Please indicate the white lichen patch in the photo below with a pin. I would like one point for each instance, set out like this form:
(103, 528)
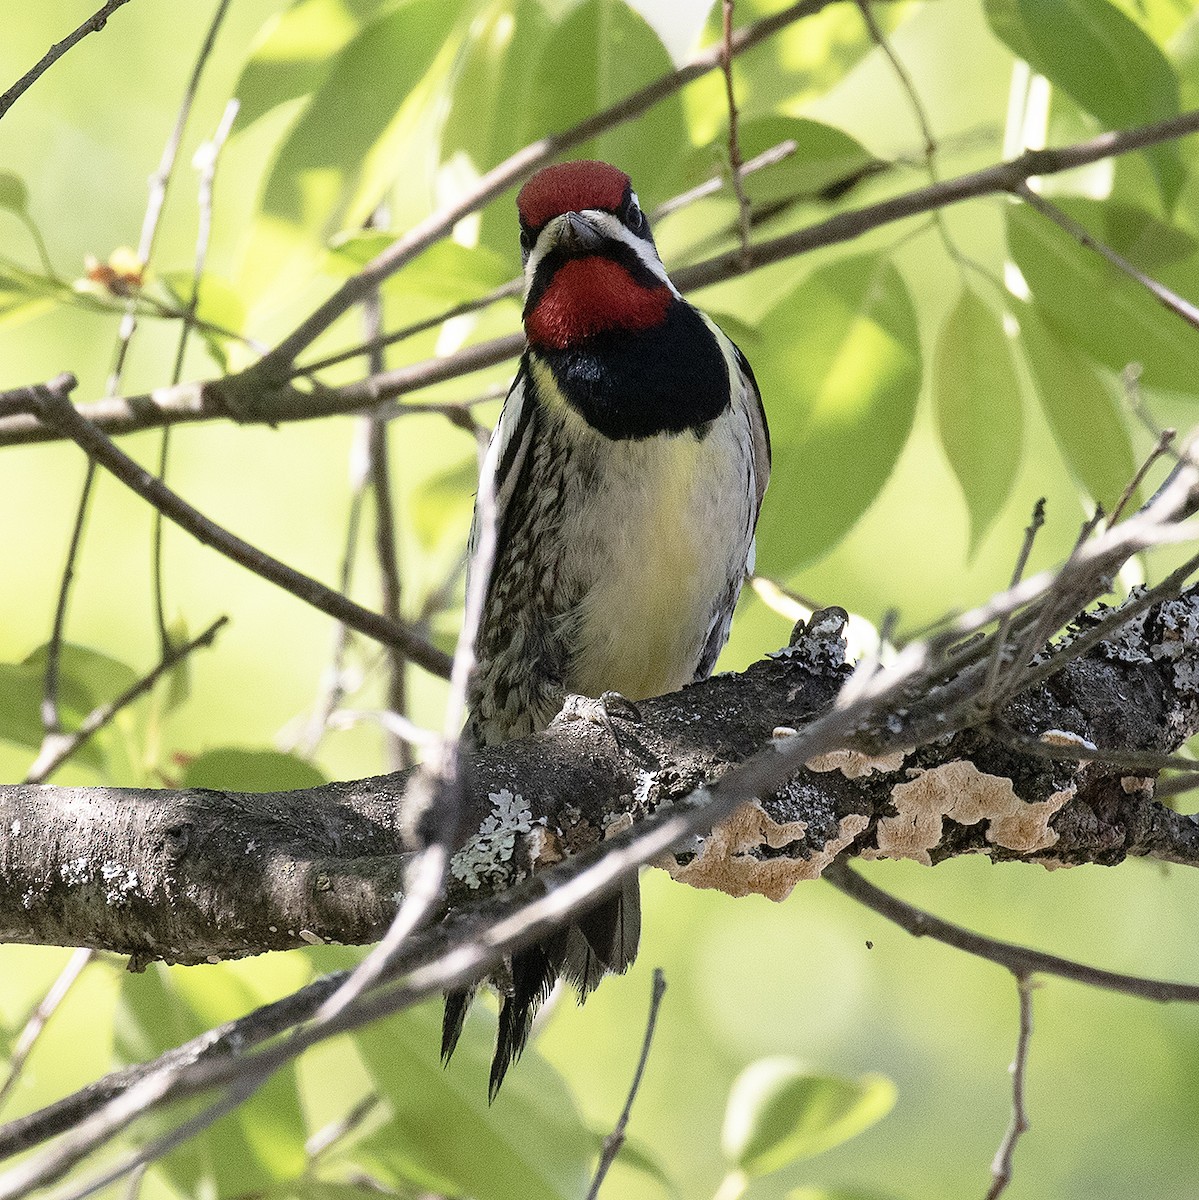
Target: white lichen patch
(853, 764)
(119, 882)
(727, 863)
(960, 791)
(1179, 624)
(485, 857)
(75, 871)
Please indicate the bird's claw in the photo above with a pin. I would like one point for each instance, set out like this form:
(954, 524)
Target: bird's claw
(599, 711)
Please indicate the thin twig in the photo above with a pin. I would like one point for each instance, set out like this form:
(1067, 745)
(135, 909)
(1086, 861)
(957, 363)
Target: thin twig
(1165, 440)
(735, 164)
(93, 24)
(1001, 1168)
(329, 1135)
(203, 401)
(442, 774)
(160, 182)
(464, 308)
(468, 943)
(499, 179)
(773, 154)
(1020, 960)
(51, 715)
(513, 287)
(615, 1140)
(53, 407)
(55, 752)
(334, 682)
(39, 1018)
(919, 111)
(206, 159)
(1030, 535)
(1167, 298)
(1066, 749)
(387, 550)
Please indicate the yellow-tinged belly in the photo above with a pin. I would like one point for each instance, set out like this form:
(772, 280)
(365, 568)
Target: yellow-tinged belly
(653, 541)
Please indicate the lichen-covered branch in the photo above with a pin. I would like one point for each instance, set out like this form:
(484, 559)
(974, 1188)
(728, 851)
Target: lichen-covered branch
(193, 875)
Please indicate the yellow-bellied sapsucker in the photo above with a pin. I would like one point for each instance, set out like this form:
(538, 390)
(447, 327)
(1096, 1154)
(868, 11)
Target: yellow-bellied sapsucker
(631, 458)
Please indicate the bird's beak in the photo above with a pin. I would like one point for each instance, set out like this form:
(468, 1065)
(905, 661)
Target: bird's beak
(574, 233)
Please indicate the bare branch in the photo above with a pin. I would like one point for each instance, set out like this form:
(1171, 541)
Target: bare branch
(736, 167)
(275, 404)
(1001, 1168)
(1169, 300)
(499, 179)
(93, 24)
(52, 406)
(615, 1140)
(1022, 961)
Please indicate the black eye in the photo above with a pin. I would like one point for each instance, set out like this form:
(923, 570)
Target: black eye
(632, 215)
(526, 240)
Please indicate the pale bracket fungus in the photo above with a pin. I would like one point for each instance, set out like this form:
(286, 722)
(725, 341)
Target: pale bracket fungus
(853, 764)
(728, 862)
(961, 792)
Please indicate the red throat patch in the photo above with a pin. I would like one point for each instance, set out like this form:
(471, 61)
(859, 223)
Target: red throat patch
(570, 187)
(590, 295)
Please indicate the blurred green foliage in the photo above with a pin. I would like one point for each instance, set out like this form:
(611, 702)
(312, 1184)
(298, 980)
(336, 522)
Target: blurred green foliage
(925, 385)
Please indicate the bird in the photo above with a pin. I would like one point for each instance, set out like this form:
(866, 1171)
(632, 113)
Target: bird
(630, 460)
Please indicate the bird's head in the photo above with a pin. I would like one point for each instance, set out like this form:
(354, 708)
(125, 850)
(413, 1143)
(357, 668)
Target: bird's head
(590, 262)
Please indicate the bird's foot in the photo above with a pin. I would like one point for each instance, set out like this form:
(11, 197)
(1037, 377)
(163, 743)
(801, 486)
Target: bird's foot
(599, 711)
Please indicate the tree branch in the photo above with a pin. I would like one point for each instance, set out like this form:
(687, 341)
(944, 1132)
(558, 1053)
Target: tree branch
(192, 875)
(278, 402)
(93, 24)
(52, 406)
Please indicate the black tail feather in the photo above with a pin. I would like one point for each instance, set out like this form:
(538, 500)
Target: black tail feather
(456, 1004)
(534, 972)
(603, 940)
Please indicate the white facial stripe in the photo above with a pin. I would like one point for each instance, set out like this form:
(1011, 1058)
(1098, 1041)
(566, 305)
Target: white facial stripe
(611, 227)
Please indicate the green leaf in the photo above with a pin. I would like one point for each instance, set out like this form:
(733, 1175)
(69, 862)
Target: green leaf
(824, 159)
(294, 51)
(494, 81)
(444, 502)
(1082, 411)
(316, 169)
(13, 194)
(250, 771)
(1099, 308)
(599, 54)
(839, 368)
(979, 411)
(1103, 61)
(246, 1151)
(778, 1113)
(21, 687)
(87, 679)
(531, 1144)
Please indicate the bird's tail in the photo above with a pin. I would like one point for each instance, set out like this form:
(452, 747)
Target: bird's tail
(603, 940)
